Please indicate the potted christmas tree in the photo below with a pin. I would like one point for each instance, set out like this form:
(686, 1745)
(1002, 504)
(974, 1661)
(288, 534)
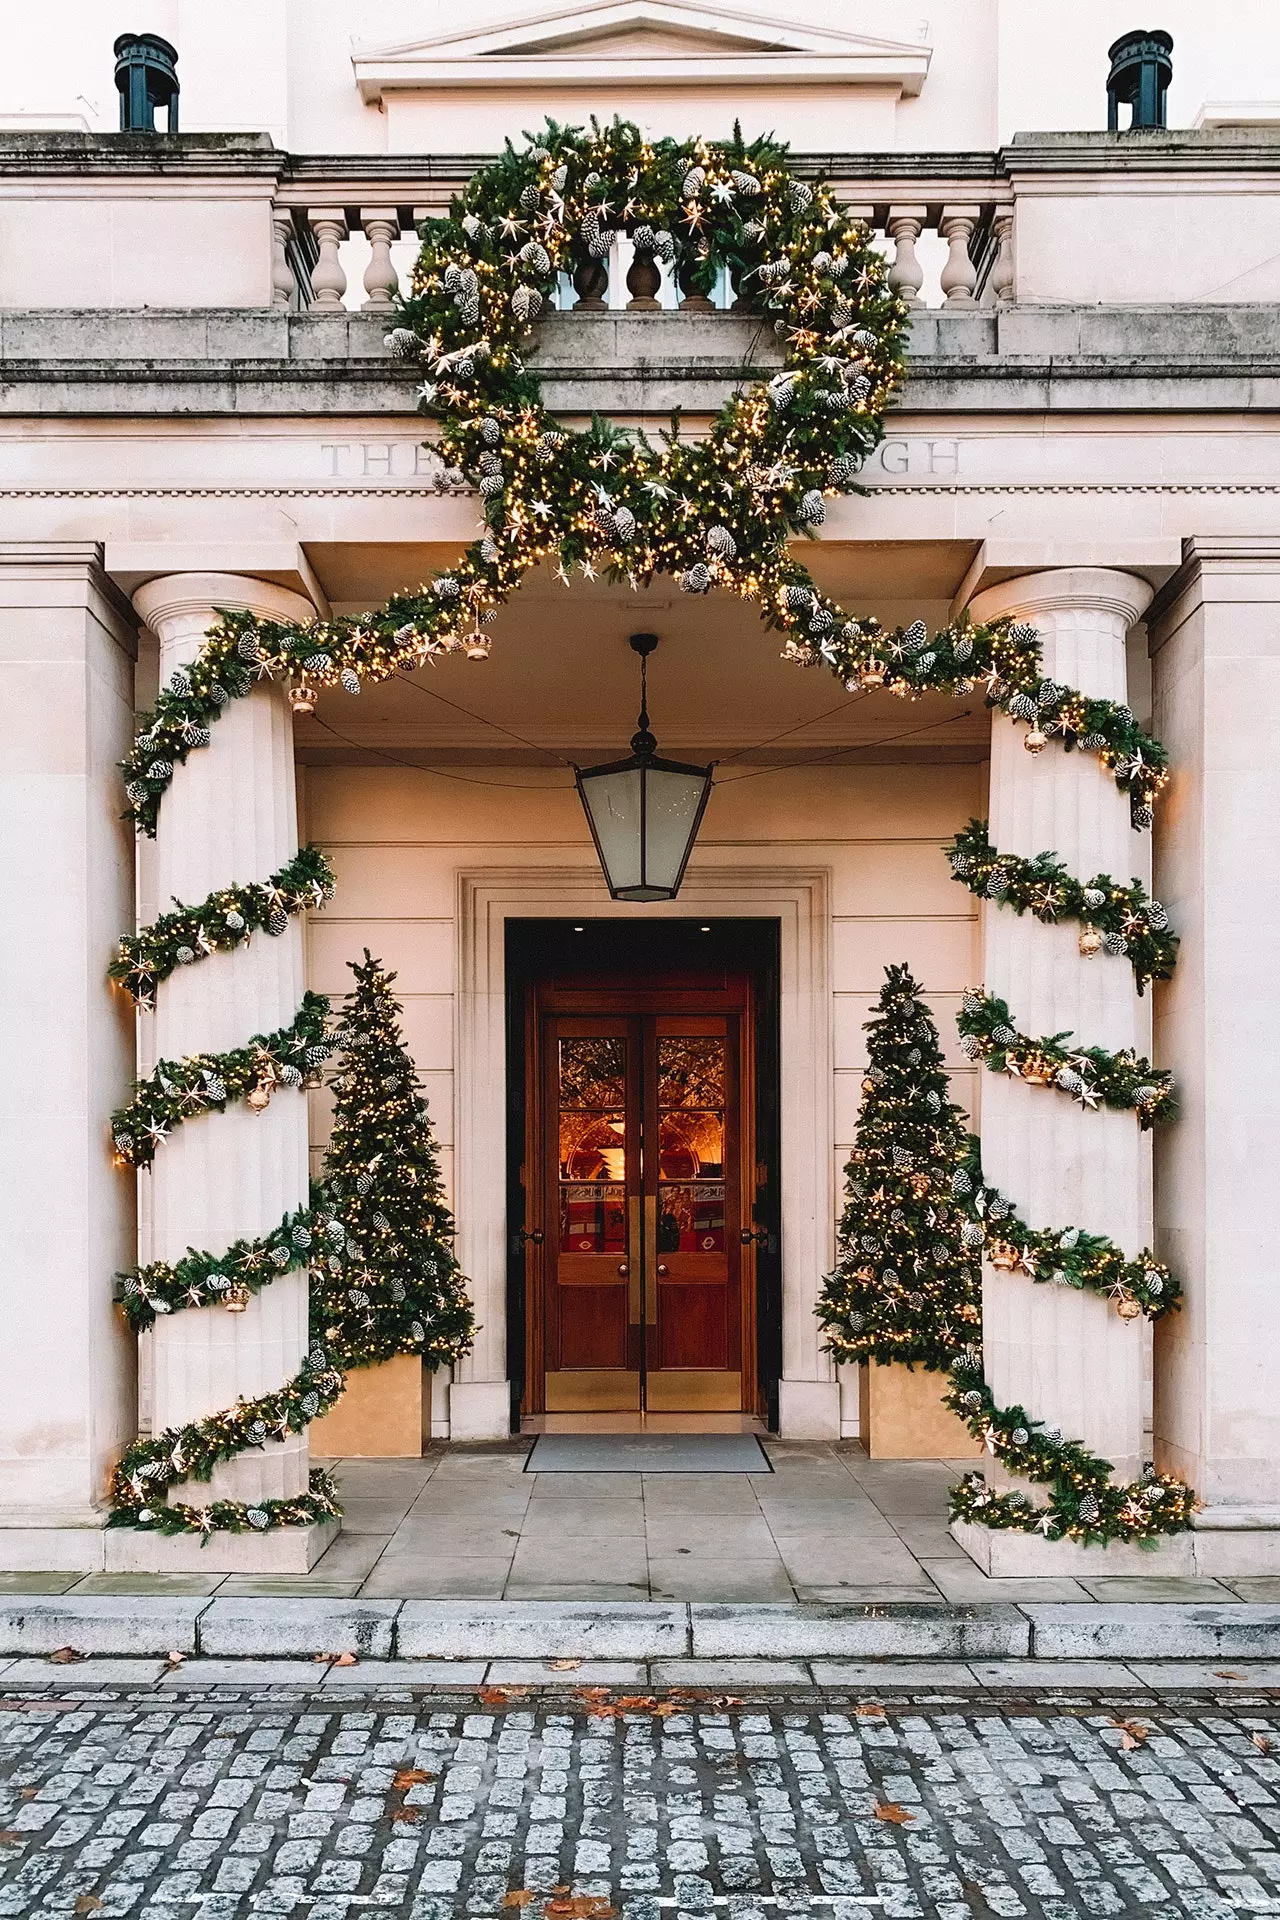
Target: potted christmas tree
(906, 1291)
(393, 1299)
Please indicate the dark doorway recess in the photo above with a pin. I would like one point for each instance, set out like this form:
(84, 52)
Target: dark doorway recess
(644, 1256)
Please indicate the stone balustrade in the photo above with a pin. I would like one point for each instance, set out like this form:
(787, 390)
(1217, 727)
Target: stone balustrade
(209, 221)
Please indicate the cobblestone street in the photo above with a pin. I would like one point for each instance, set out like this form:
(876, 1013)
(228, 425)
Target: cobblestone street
(591, 1802)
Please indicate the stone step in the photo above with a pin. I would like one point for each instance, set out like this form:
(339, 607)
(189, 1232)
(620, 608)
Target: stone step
(132, 1626)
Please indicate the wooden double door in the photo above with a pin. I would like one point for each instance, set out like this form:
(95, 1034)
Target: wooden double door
(639, 1239)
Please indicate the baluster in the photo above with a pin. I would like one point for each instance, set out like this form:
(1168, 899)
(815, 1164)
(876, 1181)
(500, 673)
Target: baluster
(959, 275)
(282, 288)
(1002, 265)
(644, 277)
(906, 275)
(328, 281)
(381, 226)
(590, 283)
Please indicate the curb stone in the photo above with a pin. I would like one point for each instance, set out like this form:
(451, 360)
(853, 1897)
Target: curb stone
(129, 1626)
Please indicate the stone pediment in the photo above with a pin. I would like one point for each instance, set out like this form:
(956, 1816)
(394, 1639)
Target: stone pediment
(659, 42)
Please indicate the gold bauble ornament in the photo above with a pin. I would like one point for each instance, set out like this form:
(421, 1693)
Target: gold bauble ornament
(1127, 1307)
(1090, 941)
(874, 674)
(1002, 1255)
(1034, 740)
(303, 697)
(236, 1297)
(259, 1097)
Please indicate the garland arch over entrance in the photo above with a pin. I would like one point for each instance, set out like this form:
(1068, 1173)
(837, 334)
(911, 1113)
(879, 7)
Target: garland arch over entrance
(719, 512)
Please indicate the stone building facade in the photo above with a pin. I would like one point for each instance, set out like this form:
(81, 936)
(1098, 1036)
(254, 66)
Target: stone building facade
(198, 411)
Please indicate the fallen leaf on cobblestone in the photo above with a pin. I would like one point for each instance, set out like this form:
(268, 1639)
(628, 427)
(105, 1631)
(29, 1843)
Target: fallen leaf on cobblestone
(10, 1838)
(495, 1696)
(407, 1814)
(411, 1777)
(87, 1903)
(32, 1793)
(65, 1656)
(174, 1659)
(518, 1897)
(346, 1660)
(891, 1811)
(1262, 1742)
(1132, 1733)
(580, 1906)
(869, 1710)
(564, 1666)
(1226, 1673)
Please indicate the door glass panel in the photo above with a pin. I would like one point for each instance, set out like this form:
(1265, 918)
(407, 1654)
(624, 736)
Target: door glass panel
(691, 1217)
(593, 1145)
(691, 1196)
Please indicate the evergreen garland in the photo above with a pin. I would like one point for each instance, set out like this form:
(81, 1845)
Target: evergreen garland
(1124, 1080)
(395, 1287)
(907, 1285)
(1084, 1503)
(1117, 919)
(225, 920)
(177, 1090)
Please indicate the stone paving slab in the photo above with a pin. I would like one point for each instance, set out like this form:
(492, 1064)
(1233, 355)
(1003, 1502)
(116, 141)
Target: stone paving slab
(521, 1629)
(99, 1623)
(246, 1628)
(865, 1632)
(1136, 1631)
(793, 1804)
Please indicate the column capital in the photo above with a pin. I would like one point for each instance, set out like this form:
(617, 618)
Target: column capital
(1063, 589)
(193, 596)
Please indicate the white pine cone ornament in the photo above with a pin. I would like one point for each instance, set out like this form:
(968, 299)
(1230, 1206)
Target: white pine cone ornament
(401, 342)
(754, 231)
(318, 662)
(1143, 818)
(1069, 1080)
(317, 1055)
(664, 245)
(1020, 1436)
(643, 238)
(280, 1257)
(445, 587)
(696, 579)
(350, 680)
(997, 883)
(491, 486)
(529, 199)
(915, 636)
(812, 510)
(198, 736)
(693, 183)
(489, 550)
(1022, 631)
(1023, 707)
(382, 1223)
(488, 463)
(1089, 1510)
(491, 431)
(309, 1405)
(797, 599)
(1145, 1096)
(972, 1235)
(800, 194)
(963, 648)
(526, 304)
(247, 647)
(258, 1517)
(600, 245)
(160, 770)
(970, 1046)
(972, 1002)
(841, 314)
(179, 684)
(842, 470)
(1156, 916)
(1094, 897)
(1154, 1281)
(547, 447)
(560, 179)
(290, 1076)
(746, 183)
(185, 956)
(234, 920)
(1115, 943)
(821, 620)
(136, 793)
(592, 181)
(624, 523)
(277, 922)
(1003, 1036)
(418, 1331)
(1093, 742)
(721, 543)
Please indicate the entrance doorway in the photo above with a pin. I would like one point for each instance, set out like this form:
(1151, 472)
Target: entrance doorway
(644, 1271)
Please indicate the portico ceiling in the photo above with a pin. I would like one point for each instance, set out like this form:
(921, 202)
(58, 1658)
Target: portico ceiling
(561, 679)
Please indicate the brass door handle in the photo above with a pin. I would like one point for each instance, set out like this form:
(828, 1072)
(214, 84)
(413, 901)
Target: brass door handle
(623, 1269)
(662, 1271)
(525, 1237)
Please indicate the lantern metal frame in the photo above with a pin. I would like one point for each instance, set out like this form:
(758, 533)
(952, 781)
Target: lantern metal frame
(643, 759)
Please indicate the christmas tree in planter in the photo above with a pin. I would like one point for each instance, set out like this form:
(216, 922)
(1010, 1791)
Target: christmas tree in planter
(396, 1289)
(906, 1292)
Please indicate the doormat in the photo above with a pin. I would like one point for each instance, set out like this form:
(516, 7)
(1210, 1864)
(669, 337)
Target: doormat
(647, 1453)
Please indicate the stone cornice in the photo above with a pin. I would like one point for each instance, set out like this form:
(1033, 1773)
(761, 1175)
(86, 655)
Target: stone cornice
(35, 155)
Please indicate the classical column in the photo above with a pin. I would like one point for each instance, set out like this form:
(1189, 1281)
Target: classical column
(229, 815)
(1064, 1355)
(67, 650)
(1215, 645)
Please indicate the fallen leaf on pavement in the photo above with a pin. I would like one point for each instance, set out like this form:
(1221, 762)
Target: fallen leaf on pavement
(1132, 1733)
(66, 1656)
(407, 1814)
(869, 1710)
(11, 1838)
(29, 1793)
(581, 1906)
(346, 1660)
(174, 1659)
(1226, 1673)
(496, 1696)
(518, 1897)
(1262, 1742)
(891, 1811)
(564, 1666)
(407, 1777)
(87, 1903)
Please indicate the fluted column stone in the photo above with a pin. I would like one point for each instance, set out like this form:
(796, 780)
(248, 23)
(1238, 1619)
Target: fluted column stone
(230, 815)
(1064, 1355)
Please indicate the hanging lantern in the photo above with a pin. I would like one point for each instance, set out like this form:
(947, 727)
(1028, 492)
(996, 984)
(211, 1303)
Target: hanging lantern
(644, 812)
